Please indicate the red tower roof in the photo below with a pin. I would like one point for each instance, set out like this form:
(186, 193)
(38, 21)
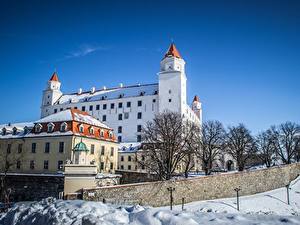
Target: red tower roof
(172, 51)
(196, 99)
(54, 77)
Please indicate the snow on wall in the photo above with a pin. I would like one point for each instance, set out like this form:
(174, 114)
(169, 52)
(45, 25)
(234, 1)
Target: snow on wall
(200, 188)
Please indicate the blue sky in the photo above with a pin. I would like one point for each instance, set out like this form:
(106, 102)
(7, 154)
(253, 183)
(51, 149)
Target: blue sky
(242, 57)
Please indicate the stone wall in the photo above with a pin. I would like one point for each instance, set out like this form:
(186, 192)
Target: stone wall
(34, 187)
(196, 189)
(129, 177)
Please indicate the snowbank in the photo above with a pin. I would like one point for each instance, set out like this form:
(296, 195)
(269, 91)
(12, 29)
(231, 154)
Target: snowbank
(267, 208)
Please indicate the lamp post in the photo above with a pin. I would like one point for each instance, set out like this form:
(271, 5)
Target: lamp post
(171, 189)
(288, 193)
(237, 198)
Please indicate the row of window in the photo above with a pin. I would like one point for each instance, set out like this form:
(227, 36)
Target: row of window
(46, 164)
(33, 147)
(102, 150)
(125, 116)
(129, 158)
(138, 129)
(129, 167)
(102, 165)
(138, 138)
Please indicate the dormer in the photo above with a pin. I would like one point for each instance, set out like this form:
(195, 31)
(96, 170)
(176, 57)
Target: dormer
(91, 130)
(63, 127)
(3, 131)
(81, 128)
(50, 127)
(38, 128)
(15, 130)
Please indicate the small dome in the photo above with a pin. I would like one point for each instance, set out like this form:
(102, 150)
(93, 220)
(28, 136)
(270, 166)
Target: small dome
(80, 147)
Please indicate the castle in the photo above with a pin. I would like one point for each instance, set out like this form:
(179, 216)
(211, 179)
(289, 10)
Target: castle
(126, 109)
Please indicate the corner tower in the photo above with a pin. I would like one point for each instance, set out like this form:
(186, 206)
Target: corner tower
(52, 92)
(172, 82)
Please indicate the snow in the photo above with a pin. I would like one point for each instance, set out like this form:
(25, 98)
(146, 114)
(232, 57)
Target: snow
(112, 93)
(69, 115)
(129, 147)
(267, 208)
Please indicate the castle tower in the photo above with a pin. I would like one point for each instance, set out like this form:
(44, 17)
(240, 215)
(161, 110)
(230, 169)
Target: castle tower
(172, 82)
(196, 107)
(52, 92)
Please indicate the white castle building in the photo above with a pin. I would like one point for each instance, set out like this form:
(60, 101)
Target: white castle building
(127, 108)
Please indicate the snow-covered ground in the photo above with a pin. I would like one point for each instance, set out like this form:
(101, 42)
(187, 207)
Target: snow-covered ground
(267, 208)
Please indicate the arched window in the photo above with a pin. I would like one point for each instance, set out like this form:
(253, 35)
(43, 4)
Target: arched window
(15, 131)
(91, 130)
(81, 128)
(101, 133)
(50, 127)
(63, 127)
(38, 128)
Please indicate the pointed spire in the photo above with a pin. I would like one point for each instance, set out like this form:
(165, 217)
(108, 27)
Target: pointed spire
(54, 77)
(172, 51)
(196, 99)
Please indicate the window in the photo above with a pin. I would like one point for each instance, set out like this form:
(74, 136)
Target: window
(119, 138)
(139, 103)
(33, 147)
(138, 138)
(120, 105)
(112, 105)
(55, 110)
(122, 158)
(102, 150)
(63, 127)
(170, 91)
(75, 107)
(61, 109)
(102, 166)
(15, 131)
(18, 164)
(120, 116)
(112, 151)
(129, 158)
(81, 128)
(126, 115)
(119, 129)
(47, 147)
(31, 164)
(139, 128)
(101, 133)
(46, 164)
(83, 108)
(143, 167)
(50, 127)
(104, 106)
(61, 147)
(92, 149)
(111, 166)
(20, 146)
(60, 164)
(97, 107)
(38, 128)
(128, 104)
(154, 100)
(139, 115)
(143, 158)
(8, 148)
(129, 167)
(91, 108)
(170, 100)
(110, 134)
(104, 118)
(91, 130)
(122, 167)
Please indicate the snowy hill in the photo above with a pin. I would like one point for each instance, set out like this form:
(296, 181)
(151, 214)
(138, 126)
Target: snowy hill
(264, 208)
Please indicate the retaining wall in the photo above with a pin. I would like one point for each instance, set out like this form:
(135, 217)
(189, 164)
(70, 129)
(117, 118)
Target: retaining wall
(196, 189)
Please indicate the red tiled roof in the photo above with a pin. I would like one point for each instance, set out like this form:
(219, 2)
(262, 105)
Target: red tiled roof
(172, 51)
(54, 77)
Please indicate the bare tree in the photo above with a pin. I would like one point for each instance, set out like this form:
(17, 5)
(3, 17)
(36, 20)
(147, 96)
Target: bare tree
(266, 147)
(211, 143)
(166, 143)
(287, 141)
(240, 145)
(9, 159)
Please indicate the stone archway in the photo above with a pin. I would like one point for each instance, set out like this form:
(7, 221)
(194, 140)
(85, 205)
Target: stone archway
(229, 165)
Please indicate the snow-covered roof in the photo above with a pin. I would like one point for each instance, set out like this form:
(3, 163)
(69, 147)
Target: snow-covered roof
(72, 115)
(9, 128)
(110, 93)
(127, 147)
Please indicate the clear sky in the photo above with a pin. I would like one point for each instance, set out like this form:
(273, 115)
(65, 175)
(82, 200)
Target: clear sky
(242, 57)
